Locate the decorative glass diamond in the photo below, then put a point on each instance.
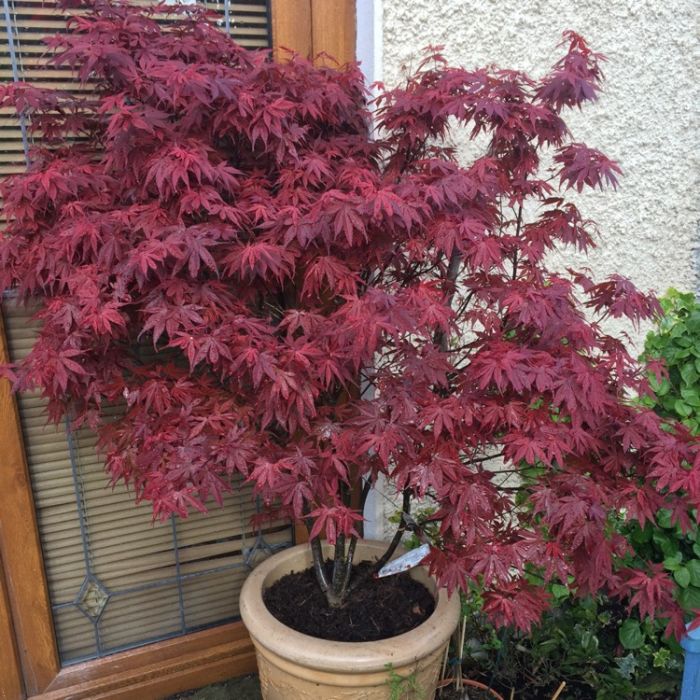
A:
(92, 598)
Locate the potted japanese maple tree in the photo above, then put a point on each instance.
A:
(272, 291)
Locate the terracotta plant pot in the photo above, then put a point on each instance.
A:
(295, 666)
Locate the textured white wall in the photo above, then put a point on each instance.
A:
(646, 119)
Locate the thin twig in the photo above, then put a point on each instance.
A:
(560, 690)
(517, 235)
(366, 486)
(483, 459)
(440, 337)
(317, 553)
(348, 566)
(405, 510)
(445, 656)
(338, 563)
(365, 492)
(462, 641)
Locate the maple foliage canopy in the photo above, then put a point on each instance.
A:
(228, 250)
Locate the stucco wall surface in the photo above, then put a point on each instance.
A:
(646, 119)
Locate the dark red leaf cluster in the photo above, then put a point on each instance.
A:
(230, 253)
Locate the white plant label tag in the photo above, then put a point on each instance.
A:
(405, 562)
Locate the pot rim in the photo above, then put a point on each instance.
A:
(351, 657)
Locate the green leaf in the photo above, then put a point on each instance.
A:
(631, 636)
(641, 535)
(693, 567)
(627, 665)
(559, 591)
(689, 598)
(682, 576)
(668, 403)
(660, 388)
(589, 642)
(682, 408)
(689, 373)
(690, 394)
(696, 549)
(548, 645)
(693, 424)
(668, 545)
(678, 329)
(663, 518)
(673, 562)
(661, 658)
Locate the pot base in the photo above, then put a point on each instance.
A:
(281, 680)
(294, 666)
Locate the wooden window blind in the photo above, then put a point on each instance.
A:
(115, 579)
(29, 660)
(22, 55)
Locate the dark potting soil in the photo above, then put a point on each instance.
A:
(376, 609)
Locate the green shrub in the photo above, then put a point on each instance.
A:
(676, 341)
(578, 641)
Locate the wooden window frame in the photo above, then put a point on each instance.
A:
(29, 660)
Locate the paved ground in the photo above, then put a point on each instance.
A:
(246, 688)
